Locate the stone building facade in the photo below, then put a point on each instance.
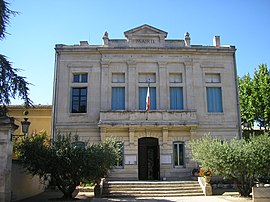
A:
(100, 91)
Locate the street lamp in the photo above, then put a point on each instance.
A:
(25, 126)
(78, 144)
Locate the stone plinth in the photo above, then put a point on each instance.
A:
(261, 194)
(206, 186)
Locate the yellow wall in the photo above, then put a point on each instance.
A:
(40, 117)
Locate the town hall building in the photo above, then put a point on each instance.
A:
(100, 91)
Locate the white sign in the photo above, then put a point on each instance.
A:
(165, 158)
(130, 159)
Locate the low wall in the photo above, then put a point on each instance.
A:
(24, 185)
(261, 194)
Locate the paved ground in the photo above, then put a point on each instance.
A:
(221, 196)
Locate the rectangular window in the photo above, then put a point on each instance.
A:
(118, 98)
(142, 98)
(179, 153)
(118, 77)
(147, 77)
(175, 78)
(176, 98)
(120, 161)
(78, 100)
(214, 99)
(212, 78)
(80, 78)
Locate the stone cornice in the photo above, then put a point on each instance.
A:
(208, 50)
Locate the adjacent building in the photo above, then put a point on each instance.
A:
(40, 117)
(23, 184)
(100, 91)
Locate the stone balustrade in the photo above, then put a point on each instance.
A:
(156, 117)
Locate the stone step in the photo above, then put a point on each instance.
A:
(151, 189)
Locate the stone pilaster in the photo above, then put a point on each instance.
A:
(165, 134)
(193, 134)
(131, 88)
(131, 136)
(7, 128)
(104, 82)
(190, 104)
(103, 132)
(163, 105)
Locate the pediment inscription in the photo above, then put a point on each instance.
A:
(145, 35)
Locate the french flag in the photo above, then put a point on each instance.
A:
(147, 107)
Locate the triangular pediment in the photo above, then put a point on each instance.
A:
(145, 31)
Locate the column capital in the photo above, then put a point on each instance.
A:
(162, 64)
(131, 63)
(188, 62)
(104, 63)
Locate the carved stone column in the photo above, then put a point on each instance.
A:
(7, 128)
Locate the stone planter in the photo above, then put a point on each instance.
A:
(207, 179)
(206, 187)
(97, 191)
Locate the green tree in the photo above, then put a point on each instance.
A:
(66, 162)
(11, 84)
(247, 110)
(243, 161)
(261, 96)
(254, 93)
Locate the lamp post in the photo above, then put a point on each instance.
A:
(25, 126)
(78, 144)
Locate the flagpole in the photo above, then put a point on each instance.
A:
(147, 101)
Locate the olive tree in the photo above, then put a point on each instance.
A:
(242, 160)
(65, 162)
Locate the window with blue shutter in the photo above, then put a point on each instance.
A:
(214, 99)
(176, 98)
(118, 98)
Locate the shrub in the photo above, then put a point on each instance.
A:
(240, 160)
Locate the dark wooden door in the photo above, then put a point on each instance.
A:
(148, 163)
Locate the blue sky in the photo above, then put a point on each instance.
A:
(42, 24)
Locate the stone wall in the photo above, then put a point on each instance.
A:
(7, 128)
(24, 185)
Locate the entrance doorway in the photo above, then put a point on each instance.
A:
(148, 150)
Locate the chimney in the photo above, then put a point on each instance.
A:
(84, 43)
(216, 41)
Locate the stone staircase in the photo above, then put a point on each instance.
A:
(151, 189)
